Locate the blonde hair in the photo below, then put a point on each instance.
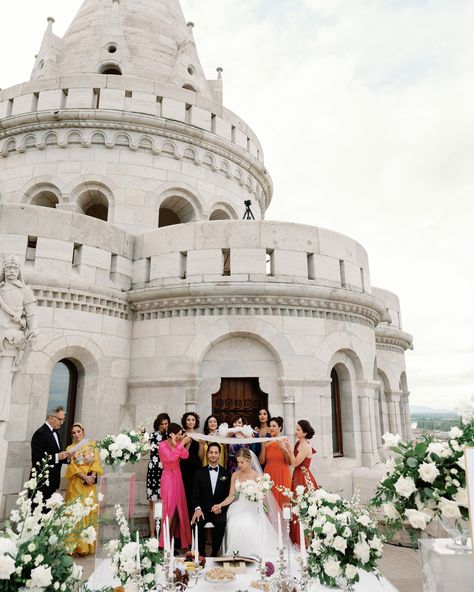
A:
(244, 453)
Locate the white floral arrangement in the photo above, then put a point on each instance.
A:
(36, 545)
(426, 479)
(225, 431)
(134, 561)
(341, 536)
(126, 447)
(255, 491)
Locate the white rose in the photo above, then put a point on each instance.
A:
(8, 547)
(332, 568)
(76, 572)
(417, 519)
(316, 546)
(461, 462)
(449, 509)
(346, 532)
(364, 520)
(428, 472)
(376, 544)
(461, 497)
(351, 571)
(313, 511)
(104, 454)
(41, 577)
(53, 539)
(390, 440)
(149, 578)
(152, 545)
(55, 501)
(88, 535)
(362, 551)
(329, 529)
(31, 547)
(405, 486)
(39, 559)
(455, 432)
(123, 442)
(339, 544)
(441, 449)
(300, 489)
(26, 559)
(146, 563)
(7, 567)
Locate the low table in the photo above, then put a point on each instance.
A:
(445, 569)
(102, 576)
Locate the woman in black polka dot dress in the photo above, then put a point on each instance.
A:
(153, 475)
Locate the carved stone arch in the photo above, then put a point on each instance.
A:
(169, 147)
(191, 86)
(239, 175)
(74, 137)
(191, 153)
(9, 146)
(122, 139)
(50, 138)
(29, 141)
(255, 328)
(97, 138)
(177, 204)
(403, 383)
(222, 211)
(94, 198)
(43, 192)
(146, 143)
(209, 160)
(226, 168)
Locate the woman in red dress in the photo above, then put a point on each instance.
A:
(301, 460)
(173, 496)
(276, 458)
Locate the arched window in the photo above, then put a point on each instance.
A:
(46, 199)
(219, 215)
(63, 391)
(190, 87)
(95, 204)
(110, 70)
(337, 439)
(175, 210)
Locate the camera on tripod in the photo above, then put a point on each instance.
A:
(248, 214)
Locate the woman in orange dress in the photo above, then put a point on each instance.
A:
(301, 460)
(276, 460)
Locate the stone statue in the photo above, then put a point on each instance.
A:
(17, 327)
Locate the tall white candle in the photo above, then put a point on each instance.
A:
(280, 537)
(139, 566)
(263, 533)
(172, 558)
(196, 544)
(166, 533)
(303, 545)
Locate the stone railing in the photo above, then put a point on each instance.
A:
(99, 92)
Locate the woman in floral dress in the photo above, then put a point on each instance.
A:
(81, 474)
(153, 476)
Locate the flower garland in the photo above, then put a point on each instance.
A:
(426, 479)
(39, 537)
(125, 553)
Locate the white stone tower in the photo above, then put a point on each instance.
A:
(122, 187)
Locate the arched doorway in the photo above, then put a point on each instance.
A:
(63, 392)
(239, 396)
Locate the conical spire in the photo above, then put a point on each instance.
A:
(147, 39)
(46, 65)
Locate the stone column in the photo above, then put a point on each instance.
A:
(190, 395)
(289, 410)
(407, 418)
(393, 402)
(369, 453)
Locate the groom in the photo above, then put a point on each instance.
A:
(211, 486)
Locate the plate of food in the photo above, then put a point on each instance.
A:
(220, 575)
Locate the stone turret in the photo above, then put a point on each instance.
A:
(143, 39)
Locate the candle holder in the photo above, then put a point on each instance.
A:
(262, 570)
(303, 576)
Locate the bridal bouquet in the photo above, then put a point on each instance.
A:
(342, 538)
(224, 431)
(426, 479)
(255, 491)
(126, 447)
(36, 545)
(133, 557)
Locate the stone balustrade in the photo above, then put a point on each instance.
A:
(116, 93)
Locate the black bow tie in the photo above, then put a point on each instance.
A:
(55, 431)
(213, 468)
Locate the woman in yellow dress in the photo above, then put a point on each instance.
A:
(81, 474)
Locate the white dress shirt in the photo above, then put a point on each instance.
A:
(214, 476)
(56, 459)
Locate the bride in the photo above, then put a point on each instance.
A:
(249, 530)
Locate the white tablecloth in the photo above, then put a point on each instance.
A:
(368, 583)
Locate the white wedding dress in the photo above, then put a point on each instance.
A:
(249, 531)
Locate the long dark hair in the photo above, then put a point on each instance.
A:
(159, 418)
(306, 428)
(237, 417)
(174, 428)
(206, 423)
(185, 418)
(258, 422)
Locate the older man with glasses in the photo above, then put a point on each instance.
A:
(45, 442)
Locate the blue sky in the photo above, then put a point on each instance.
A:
(364, 109)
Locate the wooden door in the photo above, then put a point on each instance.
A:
(239, 396)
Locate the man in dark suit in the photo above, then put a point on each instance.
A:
(45, 442)
(211, 486)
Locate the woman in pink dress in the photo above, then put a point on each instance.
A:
(173, 496)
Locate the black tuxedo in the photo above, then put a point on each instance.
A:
(44, 443)
(205, 499)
